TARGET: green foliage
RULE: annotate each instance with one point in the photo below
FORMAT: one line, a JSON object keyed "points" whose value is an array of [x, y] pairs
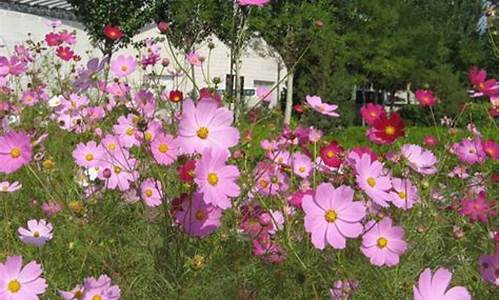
{"points": [[129, 15]]}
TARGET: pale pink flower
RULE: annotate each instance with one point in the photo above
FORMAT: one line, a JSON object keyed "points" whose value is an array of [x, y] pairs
{"points": [[324, 108], [405, 194], [372, 181], [434, 287], [37, 233], [123, 66], [7, 187], [383, 243], [151, 192]]}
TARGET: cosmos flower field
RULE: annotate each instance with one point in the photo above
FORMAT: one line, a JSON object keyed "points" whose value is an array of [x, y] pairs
{"points": [[113, 189]]}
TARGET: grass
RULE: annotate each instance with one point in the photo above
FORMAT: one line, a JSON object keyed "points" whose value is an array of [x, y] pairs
{"points": [[150, 260]]}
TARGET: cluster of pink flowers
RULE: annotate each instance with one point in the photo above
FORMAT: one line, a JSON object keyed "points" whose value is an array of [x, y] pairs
{"points": [[384, 129], [93, 288]]}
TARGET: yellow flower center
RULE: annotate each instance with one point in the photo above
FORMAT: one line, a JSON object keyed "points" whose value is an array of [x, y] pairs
{"points": [[390, 130], [78, 295], [330, 154], [36, 234], [117, 169], [130, 131], [371, 181], [402, 195], [264, 183], [373, 114], [202, 133], [148, 136], [274, 179], [112, 147], [124, 68], [15, 152], [163, 148], [89, 157], [200, 215], [330, 216], [14, 286], [212, 178], [302, 169], [382, 242], [148, 192]]}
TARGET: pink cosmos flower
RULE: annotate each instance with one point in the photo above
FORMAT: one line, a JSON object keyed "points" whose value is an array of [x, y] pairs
{"points": [[482, 86], [331, 216], [37, 234], [51, 208], [154, 128], [434, 287], [165, 149], [478, 209], [194, 59], [371, 112], [425, 97], [206, 126], [151, 192], [18, 282], [65, 53], [324, 108], [100, 288], [419, 159], [7, 187], [123, 66], [371, 180], [296, 198], [491, 148], [118, 171], [357, 152], [302, 165], [15, 151], [126, 129], [198, 218], [280, 157], [270, 180], [488, 266], [430, 141], [215, 179], [89, 155], [29, 98], [383, 243], [332, 154], [14, 66], [470, 151], [259, 3], [405, 194], [264, 93], [268, 250]]}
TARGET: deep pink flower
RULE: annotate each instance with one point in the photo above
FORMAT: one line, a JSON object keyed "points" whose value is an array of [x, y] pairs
{"points": [[37, 233], [383, 243], [488, 266], [331, 216], [186, 171], [165, 149], [419, 159], [14, 66], [387, 130], [89, 155], [434, 287], [259, 3], [65, 53], [324, 108], [404, 193], [491, 148], [372, 181], [425, 97], [18, 282], [53, 39], [482, 86], [296, 198], [15, 151], [331, 154], [123, 66], [198, 218], [206, 126], [151, 192], [371, 112], [215, 179], [101, 289], [430, 141], [194, 59], [478, 209]]}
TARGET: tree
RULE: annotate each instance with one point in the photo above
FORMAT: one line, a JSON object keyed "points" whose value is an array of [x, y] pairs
{"points": [[129, 15]]}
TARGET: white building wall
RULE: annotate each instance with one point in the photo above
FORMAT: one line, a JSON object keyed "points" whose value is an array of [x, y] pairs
{"points": [[257, 69]]}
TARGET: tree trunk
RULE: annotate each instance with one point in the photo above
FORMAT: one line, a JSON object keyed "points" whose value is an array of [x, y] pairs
{"points": [[289, 97]]}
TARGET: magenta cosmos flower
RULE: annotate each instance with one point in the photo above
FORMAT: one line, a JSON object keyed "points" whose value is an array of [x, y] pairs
{"points": [[18, 283], [259, 3], [434, 287], [331, 216], [419, 159], [89, 155], [425, 97], [491, 148], [371, 112], [151, 192], [37, 233], [197, 218], [324, 108], [488, 266], [123, 66], [15, 152], [206, 126], [165, 149], [470, 151], [383, 243], [215, 179], [371, 180], [405, 194]]}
